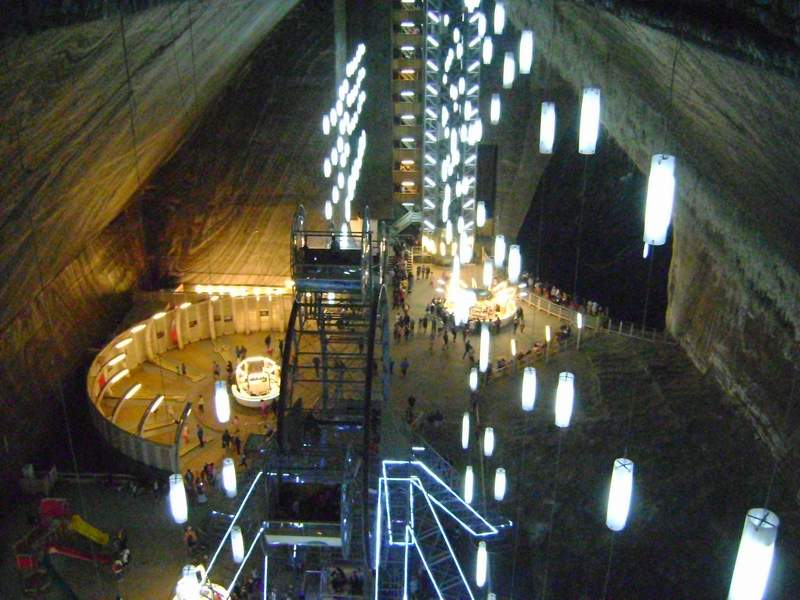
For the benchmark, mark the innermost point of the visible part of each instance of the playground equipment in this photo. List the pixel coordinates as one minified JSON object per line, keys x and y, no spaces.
{"x":59,"y":531}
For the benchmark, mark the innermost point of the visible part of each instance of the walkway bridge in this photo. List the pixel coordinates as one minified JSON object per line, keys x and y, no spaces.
{"x":339,"y":467}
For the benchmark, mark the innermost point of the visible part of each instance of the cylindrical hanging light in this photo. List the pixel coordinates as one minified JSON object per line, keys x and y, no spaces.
{"x":448,"y":232}
{"x":327,"y":169}
{"x":499,"y":21}
{"x":526,"y":46}
{"x":177,"y":499}
{"x":480,"y":213}
{"x":473,"y":379}
{"x":469,"y":484}
{"x":590,"y":120}
{"x":465,"y":430}
{"x":499,"y":251}
{"x":188,"y":587}
{"x":528,"y":388}
{"x":487,"y":50}
{"x":547,"y":128}
{"x":222,"y":402}
{"x":499,"y":483}
{"x":328,"y":210}
{"x":513,"y":347}
{"x":481,"y":565}
{"x":229,"y":477}
{"x":488,"y":441}
{"x":660,"y":198}
{"x":579,"y":317}
{"x":237,"y":544}
{"x":484,"y":350}
{"x":547,"y":336}
{"x":619,"y":495}
{"x":514,"y":263}
{"x":754,"y":559}
{"x":509,"y":70}
{"x":494,"y":109}
{"x":565,"y":396}
{"x":488,"y":272}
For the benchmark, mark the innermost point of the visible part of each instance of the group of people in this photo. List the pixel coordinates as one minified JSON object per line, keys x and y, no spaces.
{"x":559,"y":296}
{"x":340,"y":583}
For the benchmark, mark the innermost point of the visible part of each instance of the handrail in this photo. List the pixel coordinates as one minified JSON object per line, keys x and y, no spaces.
{"x":286,"y":374}
{"x":379,"y":302}
{"x":601,"y":324}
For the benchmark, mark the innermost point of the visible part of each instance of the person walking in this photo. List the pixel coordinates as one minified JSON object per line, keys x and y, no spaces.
{"x":226,"y":438}
{"x":268,"y":341}
{"x":280,"y":346}
{"x":315,"y":360}
{"x":467,"y":349}
{"x":201,"y":404}
{"x":404,"y":366}
{"x":237,"y":441}
{"x":200,"y":435}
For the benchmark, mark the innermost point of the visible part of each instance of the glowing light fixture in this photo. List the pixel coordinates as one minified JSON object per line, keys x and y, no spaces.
{"x":499,"y":251}
{"x":528,"y":388}
{"x":488,"y":441}
{"x":123,"y":344}
{"x":154,"y":407}
{"x":619,"y":495}
{"x":222,"y":402}
{"x":526,"y":46}
{"x":132,"y":391}
{"x":513,"y":347}
{"x":494,"y":109}
{"x":509,"y":70}
{"x":229,"y":477}
{"x":514,"y":263}
{"x":547,"y":128}
{"x":487,"y":49}
{"x":488,"y":272}
{"x":480,"y":214}
{"x":177,"y":499}
{"x":465,"y":430}
{"x":469,"y":485}
{"x":237,"y":544}
{"x":547,"y":336}
{"x":565,"y":397}
{"x":754,"y":559}
{"x":499,"y":483}
{"x":188,"y":587}
{"x":484,"y":351}
{"x":481,"y":565}
{"x":473,"y":380}
{"x":590,"y":120}
{"x":328,"y":210}
{"x":499,"y":21}
{"x":660,"y":198}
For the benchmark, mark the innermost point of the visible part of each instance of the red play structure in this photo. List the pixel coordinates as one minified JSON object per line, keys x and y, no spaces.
{"x":59,"y":531}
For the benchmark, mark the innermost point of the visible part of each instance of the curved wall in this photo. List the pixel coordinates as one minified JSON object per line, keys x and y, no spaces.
{"x":113,"y":370}
{"x":71,"y":245}
{"x":734,"y":283}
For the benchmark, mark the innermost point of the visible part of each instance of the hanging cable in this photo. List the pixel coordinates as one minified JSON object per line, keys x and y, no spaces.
{"x":48,"y":317}
{"x":543,"y":595}
{"x":580,"y":228}
{"x":785,"y":428}
{"x":131,"y":97}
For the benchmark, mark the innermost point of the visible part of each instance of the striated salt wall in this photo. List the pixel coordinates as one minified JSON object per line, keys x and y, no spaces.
{"x":734,"y":289}
{"x":77,"y":141}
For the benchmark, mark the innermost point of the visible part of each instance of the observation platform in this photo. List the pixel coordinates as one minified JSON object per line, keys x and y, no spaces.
{"x":147,"y":385}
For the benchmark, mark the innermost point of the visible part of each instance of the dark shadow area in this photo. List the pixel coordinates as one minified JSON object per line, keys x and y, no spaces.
{"x":611,"y":269}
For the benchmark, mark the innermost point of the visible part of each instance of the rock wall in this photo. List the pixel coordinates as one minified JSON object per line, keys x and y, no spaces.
{"x":221,"y":209}
{"x":79,"y":136}
{"x":734,"y":284}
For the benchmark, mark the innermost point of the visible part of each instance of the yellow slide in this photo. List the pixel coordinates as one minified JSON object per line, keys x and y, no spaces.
{"x":83,"y":528}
